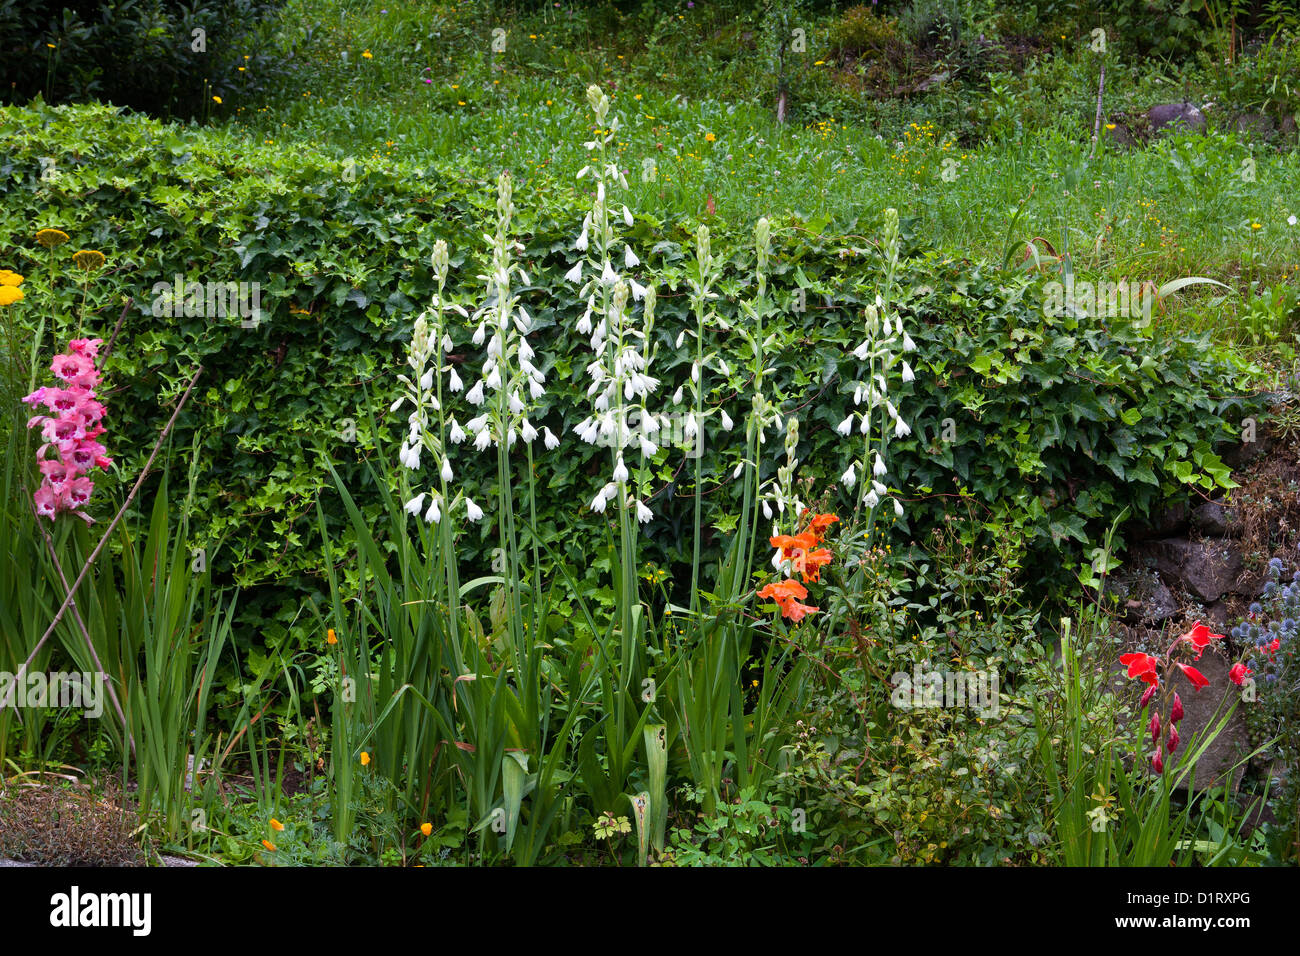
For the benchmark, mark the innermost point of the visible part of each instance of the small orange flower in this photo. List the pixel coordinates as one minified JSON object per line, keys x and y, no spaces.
{"x":809,"y":563}
{"x":788,"y":594}
{"x":330,"y":638}
{"x":709,"y":137}
{"x":276,"y":825}
{"x":269,"y":845}
{"x":365,"y":759}
{"x":426,"y":828}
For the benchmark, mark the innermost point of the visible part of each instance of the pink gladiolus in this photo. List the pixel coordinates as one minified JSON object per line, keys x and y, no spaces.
{"x":72,"y":431}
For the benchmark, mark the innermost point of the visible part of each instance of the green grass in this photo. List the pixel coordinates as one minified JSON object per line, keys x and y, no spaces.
{"x":1184,"y":206}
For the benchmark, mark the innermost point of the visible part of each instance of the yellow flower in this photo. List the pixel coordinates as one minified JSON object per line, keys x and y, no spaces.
{"x":367,"y":54}
{"x":819,"y":63}
{"x":276,"y":825}
{"x":426,"y":828}
{"x":50,"y":238}
{"x":217,"y":100}
{"x":330,"y":638}
{"x":10,"y":278}
{"x":88,"y":259}
{"x":709,"y":137}
{"x":1110,"y":125}
{"x":460,"y":102}
{"x":10,"y":294}
{"x":241,"y":68}
{"x":51,"y":46}
{"x":637,"y":97}
{"x":531,"y":36}
{"x":269,"y":845}
{"x":1255,"y":225}
{"x":365,"y":759}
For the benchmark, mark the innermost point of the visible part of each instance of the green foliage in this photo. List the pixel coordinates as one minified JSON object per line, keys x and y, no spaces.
{"x":162,"y":56}
{"x":1061,"y":418}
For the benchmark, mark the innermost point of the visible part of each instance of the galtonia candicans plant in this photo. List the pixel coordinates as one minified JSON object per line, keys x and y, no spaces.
{"x":72,"y":432}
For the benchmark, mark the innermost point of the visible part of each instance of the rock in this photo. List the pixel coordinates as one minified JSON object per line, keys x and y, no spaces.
{"x":1206,"y":569}
{"x":1143,"y":596}
{"x":1120,"y":134}
{"x":1170,"y":520}
{"x":1216,"y":615}
{"x":1255,"y":124}
{"x":1236,"y":455}
{"x":1175,"y":116}
{"x":1199,"y":708}
{"x":1212,"y":519}
{"x":938,"y":79}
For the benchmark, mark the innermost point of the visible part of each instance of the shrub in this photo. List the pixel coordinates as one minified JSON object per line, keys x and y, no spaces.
{"x":166,"y":57}
{"x":1050,"y":422}
{"x":67,"y":825}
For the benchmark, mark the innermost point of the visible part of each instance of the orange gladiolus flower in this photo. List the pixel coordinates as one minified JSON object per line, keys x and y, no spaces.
{"x":787,"y":594}
{"x":789,"y":543}
{"x":819,"y":523}
{"x":809,"y":563}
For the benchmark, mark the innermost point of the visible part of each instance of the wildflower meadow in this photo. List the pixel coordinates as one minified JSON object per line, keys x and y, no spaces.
{"x":447,"y":433}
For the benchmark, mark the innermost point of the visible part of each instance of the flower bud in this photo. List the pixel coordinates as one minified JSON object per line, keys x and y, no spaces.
{"x":1176,"y":714}
{"x":440,"y":260}
{"x":1154,"y":727}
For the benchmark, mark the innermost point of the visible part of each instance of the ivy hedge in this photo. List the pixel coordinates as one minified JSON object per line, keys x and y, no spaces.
{"x":1052,"y":424}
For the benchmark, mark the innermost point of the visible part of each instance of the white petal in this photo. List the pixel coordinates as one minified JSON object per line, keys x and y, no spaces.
{"x":472,"y":511}
{"x":550,"y":440}
{"x":446,"y":469}
{"x":454,"y":382}
{"x":643,"y":514}
{"x":415,"y":504}
{"x":850,"y":477}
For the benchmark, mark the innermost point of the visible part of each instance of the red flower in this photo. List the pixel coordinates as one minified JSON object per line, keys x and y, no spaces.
{"x":1200,"y":638}
{"x":1172,"y":743}
{"x":1176,"y":714}
{"x":1273,"y":647}
{"x":1154,"y":727}
{"x":1192,"y":674}
{"x":1146,"y":697}
{"x":1157,"y":762}
{"x":1141,"y":666}
{"x":1238,"y":673}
